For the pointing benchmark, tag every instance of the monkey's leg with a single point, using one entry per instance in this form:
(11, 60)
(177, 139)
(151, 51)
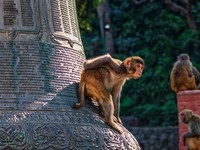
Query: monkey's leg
(101, 108)
(116, 100)
(81, 95)
(109, 110)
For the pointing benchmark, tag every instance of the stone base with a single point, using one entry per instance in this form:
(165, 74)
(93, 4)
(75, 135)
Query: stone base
(61, 130)
(38, 87)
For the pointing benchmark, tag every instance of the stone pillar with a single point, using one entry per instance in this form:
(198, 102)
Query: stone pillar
(41, 57)
(187, 100)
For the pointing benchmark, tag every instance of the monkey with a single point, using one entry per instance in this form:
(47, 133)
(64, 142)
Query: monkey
(183, 74)
(103, 84)
(193, 122)
(115, 64)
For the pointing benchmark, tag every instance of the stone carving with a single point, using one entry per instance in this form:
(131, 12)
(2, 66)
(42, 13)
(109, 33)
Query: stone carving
(12, 136)
(86, 136)
(26, 13)
(41, 57)
(10, 12)
(49, 135)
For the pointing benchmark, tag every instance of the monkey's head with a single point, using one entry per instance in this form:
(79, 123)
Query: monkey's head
(134, 66)
(183, 57)
(186, 115)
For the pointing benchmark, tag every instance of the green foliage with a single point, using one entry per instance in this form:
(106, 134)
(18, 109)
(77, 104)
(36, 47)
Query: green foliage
(87, 17)
(157, 34)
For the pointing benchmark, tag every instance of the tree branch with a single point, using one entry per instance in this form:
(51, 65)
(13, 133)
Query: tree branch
(176, 7)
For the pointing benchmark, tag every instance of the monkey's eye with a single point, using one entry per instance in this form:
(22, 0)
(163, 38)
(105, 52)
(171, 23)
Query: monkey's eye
(139, 66)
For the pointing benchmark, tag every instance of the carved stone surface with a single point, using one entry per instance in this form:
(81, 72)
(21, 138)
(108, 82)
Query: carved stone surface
(41, 57)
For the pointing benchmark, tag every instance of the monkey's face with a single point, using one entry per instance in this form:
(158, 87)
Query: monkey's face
(137, 70)
(134, 67)
(185, 116)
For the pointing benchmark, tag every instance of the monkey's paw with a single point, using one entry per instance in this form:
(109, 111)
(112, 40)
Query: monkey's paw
(184, 139)
(117, 120)
(84, 64)
(77, 105)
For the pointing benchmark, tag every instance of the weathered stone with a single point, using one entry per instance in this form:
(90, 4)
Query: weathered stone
(41, 57)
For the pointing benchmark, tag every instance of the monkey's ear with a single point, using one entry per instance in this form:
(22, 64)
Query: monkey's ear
(127, 62)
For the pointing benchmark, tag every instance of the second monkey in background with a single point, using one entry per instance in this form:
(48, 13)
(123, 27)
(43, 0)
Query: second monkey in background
(184, 76)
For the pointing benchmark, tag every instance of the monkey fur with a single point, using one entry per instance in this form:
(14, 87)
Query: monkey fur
(196, 73)
(193, 122)
(183, 75)
(193, 143)
(115, 64)
(103, 84)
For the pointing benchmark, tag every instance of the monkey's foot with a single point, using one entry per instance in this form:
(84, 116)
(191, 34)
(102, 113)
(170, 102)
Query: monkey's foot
(117, 120)
(115, 126)
(77, 105)
(119, 129)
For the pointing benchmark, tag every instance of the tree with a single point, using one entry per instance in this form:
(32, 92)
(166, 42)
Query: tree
(105, 27)
(88, 22)
(183, 7)
(157, 34)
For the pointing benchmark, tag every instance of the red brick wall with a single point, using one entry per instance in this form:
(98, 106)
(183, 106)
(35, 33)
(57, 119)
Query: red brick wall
(187, 100)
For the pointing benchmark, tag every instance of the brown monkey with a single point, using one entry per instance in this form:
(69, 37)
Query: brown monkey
(193, 122)
(115, 64)
(104, 85)
(182, 76)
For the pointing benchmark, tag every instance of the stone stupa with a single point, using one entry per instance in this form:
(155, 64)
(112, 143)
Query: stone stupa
(41, 56)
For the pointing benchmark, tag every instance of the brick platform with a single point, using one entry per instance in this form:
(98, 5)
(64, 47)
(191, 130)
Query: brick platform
(187, 100)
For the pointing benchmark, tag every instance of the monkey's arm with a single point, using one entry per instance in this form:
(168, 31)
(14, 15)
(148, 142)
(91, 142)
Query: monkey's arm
(197, 76)
(116, 93)
(190, 72)
(172, 82)
(103, 61)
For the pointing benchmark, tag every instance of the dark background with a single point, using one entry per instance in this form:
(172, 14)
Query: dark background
(158, 31)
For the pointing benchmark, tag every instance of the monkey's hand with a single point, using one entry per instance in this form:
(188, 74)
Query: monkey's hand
(77, 105)
(85, 64)
(190, 73)
(119, 120)
(184, 138)
(115, 119)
